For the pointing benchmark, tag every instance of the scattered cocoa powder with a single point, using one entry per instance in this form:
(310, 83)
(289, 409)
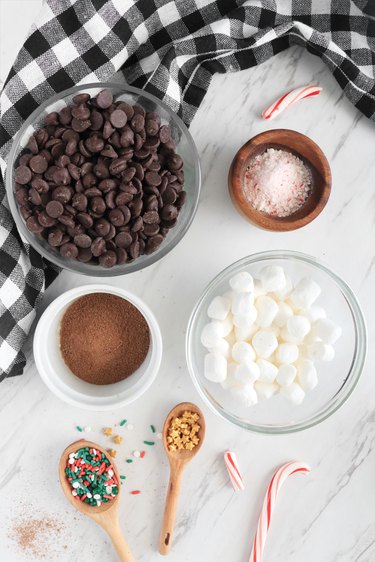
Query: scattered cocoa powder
(103, 338)
(35, 536)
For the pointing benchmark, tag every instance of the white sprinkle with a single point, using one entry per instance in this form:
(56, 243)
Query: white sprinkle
(98, 503)
(110, 472)
(72, 455)
(87, 428)
(130, 426)
(136, 454)
(108, 489)
(89, 495)
(71, 461)
(97, 496)
(94, 452)
(159, 436)
(76, 484)
(74, 493)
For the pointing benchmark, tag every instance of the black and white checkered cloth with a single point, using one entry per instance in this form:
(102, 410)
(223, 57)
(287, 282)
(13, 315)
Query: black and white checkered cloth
(172, 49)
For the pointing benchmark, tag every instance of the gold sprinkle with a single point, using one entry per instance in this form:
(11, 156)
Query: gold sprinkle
(117, 439)
(182, 432)
(107, 431)
(112, 452)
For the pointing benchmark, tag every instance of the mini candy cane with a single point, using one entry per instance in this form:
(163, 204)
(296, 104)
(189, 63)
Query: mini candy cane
(269, 504)
(233, 471)
(288, 99)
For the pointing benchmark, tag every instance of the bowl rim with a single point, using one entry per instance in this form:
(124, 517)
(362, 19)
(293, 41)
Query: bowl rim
(268, 222)
(356, 367)
(65, 299)
(84, 268)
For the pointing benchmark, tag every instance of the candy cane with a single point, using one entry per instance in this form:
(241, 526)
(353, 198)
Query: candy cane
(269, 504)
(288, 99)
(234, 471)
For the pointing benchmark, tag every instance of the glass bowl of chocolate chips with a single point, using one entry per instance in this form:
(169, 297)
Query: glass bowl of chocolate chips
(103, 179)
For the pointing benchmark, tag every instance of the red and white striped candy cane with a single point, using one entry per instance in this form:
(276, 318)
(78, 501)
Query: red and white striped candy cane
(288, 99)
(273, 489)
(233, 471)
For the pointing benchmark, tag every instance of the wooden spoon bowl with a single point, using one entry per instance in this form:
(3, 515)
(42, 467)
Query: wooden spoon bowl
(105, 515)
(177, 461)
(299, 145)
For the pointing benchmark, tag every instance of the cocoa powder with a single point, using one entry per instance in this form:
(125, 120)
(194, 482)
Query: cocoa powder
(103, 338)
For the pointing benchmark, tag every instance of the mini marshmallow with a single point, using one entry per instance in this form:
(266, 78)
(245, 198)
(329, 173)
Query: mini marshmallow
(327, 331)
(215, 367)
(287, 353)
(284, 312)
(242, 282)
(259, 290)
(319, 351)
(219, 308)
(293, 393)
(243, 334)
(243, 303)
(267, 309)
(246, 394)
(307, 375)
(283, 293)
(286, 375)
(247, 372)
(221, 347)
(305, 293)
(314, 313)
(298, 326)
(243, 321)
(264, 343)
(286, 336)
(230, 381)
(226, 326)
(273, 278)
(212, 334)
(242, 351)
(268, 370)
(265, 390)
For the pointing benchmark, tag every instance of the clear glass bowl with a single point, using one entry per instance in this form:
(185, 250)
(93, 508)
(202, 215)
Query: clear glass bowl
(337, 378)
(184, 145)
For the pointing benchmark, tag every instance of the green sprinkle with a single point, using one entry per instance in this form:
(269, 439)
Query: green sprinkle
(129, 460)
(149, 442)
(123, 422)
(153, 428)
(122, 476)
(79, 428)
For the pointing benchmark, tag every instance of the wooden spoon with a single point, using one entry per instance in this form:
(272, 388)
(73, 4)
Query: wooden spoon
(105, 515)
(177, 461)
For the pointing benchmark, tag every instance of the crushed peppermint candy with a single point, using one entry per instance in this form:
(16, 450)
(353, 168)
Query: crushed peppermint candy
(277, 182)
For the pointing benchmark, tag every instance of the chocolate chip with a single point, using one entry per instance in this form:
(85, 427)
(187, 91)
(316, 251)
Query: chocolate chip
(62, 194)
(108, 259)
(54, 209)
(97, 205)
(164, 134)
(81, 98)
(98, 247)
(85, 220)
(102, 227)
(104, 99)
(118, 118)
(169, 196)
(82, 241)
(55, 238)
(123, 239)
(134, 250)
(23, 175)
(153, 178)
(45, 220)
(79, 201)
(151, 217)
(153, 243)
(69, 250)
(169, 212)
(122, 256)
(137, 123)
(34, 225)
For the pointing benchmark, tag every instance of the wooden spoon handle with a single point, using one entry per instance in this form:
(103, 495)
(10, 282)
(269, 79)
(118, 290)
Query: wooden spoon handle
(120, 544)
(170, 509)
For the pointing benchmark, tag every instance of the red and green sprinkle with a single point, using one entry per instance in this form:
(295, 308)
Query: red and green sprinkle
(91, 476)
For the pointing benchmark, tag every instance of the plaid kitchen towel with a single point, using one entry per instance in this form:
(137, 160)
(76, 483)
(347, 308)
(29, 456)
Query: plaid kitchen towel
(172, 49)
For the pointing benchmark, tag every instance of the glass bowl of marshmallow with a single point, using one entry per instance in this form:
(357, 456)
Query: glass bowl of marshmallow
(276, 343)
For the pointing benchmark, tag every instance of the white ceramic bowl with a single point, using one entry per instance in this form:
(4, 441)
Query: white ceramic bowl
(61, 381)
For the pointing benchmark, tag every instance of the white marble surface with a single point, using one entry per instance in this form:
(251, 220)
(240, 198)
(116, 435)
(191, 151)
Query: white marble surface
(327, 516)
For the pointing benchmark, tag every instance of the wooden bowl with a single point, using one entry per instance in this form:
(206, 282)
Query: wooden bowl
(308, 152)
